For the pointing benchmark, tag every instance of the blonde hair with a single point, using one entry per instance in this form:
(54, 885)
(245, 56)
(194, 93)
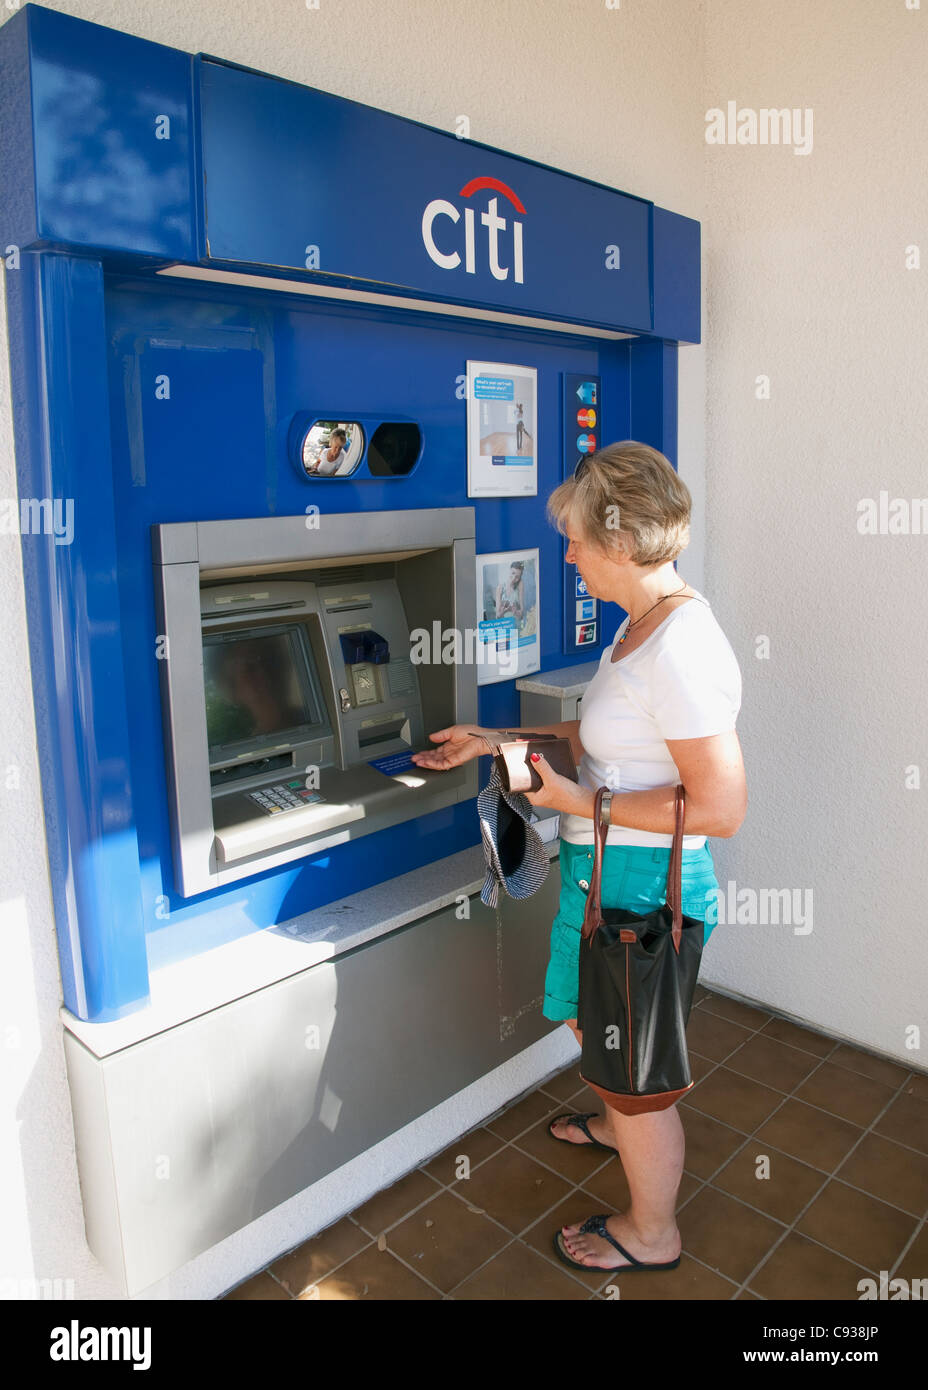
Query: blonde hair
(627, 498)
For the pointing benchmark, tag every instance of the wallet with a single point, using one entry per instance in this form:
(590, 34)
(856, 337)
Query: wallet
(518, 773)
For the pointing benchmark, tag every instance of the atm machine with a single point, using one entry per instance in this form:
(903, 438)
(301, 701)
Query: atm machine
(292, 689)
(273, 948)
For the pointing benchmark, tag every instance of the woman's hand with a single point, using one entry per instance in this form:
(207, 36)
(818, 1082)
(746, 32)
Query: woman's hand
(457, 744)
(557, 792)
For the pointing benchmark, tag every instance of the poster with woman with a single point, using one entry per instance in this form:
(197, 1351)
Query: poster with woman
(507, 615)
(502, 430)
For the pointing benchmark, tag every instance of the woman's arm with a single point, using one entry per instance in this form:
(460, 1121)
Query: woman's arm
(711, 769)
(459, 743)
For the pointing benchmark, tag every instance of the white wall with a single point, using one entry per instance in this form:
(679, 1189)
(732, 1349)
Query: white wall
(806, 283)
(804, 280)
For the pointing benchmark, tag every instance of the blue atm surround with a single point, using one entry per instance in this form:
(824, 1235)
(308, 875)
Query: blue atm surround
(120, 158)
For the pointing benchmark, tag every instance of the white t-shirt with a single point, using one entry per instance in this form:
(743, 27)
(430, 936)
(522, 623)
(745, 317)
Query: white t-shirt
(682, 682)
(327, 467)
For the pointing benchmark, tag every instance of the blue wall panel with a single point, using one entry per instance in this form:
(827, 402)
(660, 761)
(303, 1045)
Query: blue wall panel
(75, 631)
(349, 196)
(677, 277)
(113, 136)
(238, 368)
(93, 333)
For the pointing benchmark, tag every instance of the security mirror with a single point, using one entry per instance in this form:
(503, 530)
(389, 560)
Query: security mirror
(332, 448)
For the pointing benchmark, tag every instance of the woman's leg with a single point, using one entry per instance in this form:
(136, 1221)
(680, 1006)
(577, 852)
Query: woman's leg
(598, 1125)
(651, 1149)
(650, 1146)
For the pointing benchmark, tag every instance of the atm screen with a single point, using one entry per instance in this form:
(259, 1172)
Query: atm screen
(261, 688)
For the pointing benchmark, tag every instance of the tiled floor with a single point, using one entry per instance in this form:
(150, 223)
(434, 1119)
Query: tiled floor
(846, 1134)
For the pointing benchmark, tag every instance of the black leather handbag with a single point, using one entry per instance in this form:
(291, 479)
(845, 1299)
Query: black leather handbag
(637, 980)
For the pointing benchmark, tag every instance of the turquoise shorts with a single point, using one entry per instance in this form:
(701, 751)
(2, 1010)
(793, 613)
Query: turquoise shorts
(635, 878)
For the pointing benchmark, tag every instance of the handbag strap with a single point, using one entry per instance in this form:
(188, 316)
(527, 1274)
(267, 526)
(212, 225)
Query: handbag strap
(593, 913)
(675, 867)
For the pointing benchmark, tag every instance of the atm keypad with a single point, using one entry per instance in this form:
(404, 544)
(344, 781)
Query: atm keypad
(284, 796)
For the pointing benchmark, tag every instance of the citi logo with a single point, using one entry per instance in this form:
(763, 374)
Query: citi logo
(500, 232)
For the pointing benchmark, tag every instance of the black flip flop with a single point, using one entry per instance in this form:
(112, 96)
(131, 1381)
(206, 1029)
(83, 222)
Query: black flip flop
(596, 1226)
(580, 1122)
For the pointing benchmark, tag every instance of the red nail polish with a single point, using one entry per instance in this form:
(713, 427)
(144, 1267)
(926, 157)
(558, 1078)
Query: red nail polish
(534, 757)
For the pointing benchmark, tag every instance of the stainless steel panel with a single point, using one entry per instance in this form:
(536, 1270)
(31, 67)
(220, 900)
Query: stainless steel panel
(189, 1136)
(280, 539)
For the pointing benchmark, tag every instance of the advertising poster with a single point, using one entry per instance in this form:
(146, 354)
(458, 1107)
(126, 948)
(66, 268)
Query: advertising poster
(502, 420)
(507, 615)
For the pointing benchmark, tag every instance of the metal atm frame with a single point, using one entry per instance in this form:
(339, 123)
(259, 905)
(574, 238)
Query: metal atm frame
(437, 547)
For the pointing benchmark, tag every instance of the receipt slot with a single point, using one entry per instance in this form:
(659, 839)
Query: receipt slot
(290, 698)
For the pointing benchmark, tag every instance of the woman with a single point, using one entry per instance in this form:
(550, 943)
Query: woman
(509, 595)
(330, 459)
(660, 710)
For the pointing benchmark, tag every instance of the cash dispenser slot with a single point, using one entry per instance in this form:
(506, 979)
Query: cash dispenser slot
(222, 776)
(384, 733)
